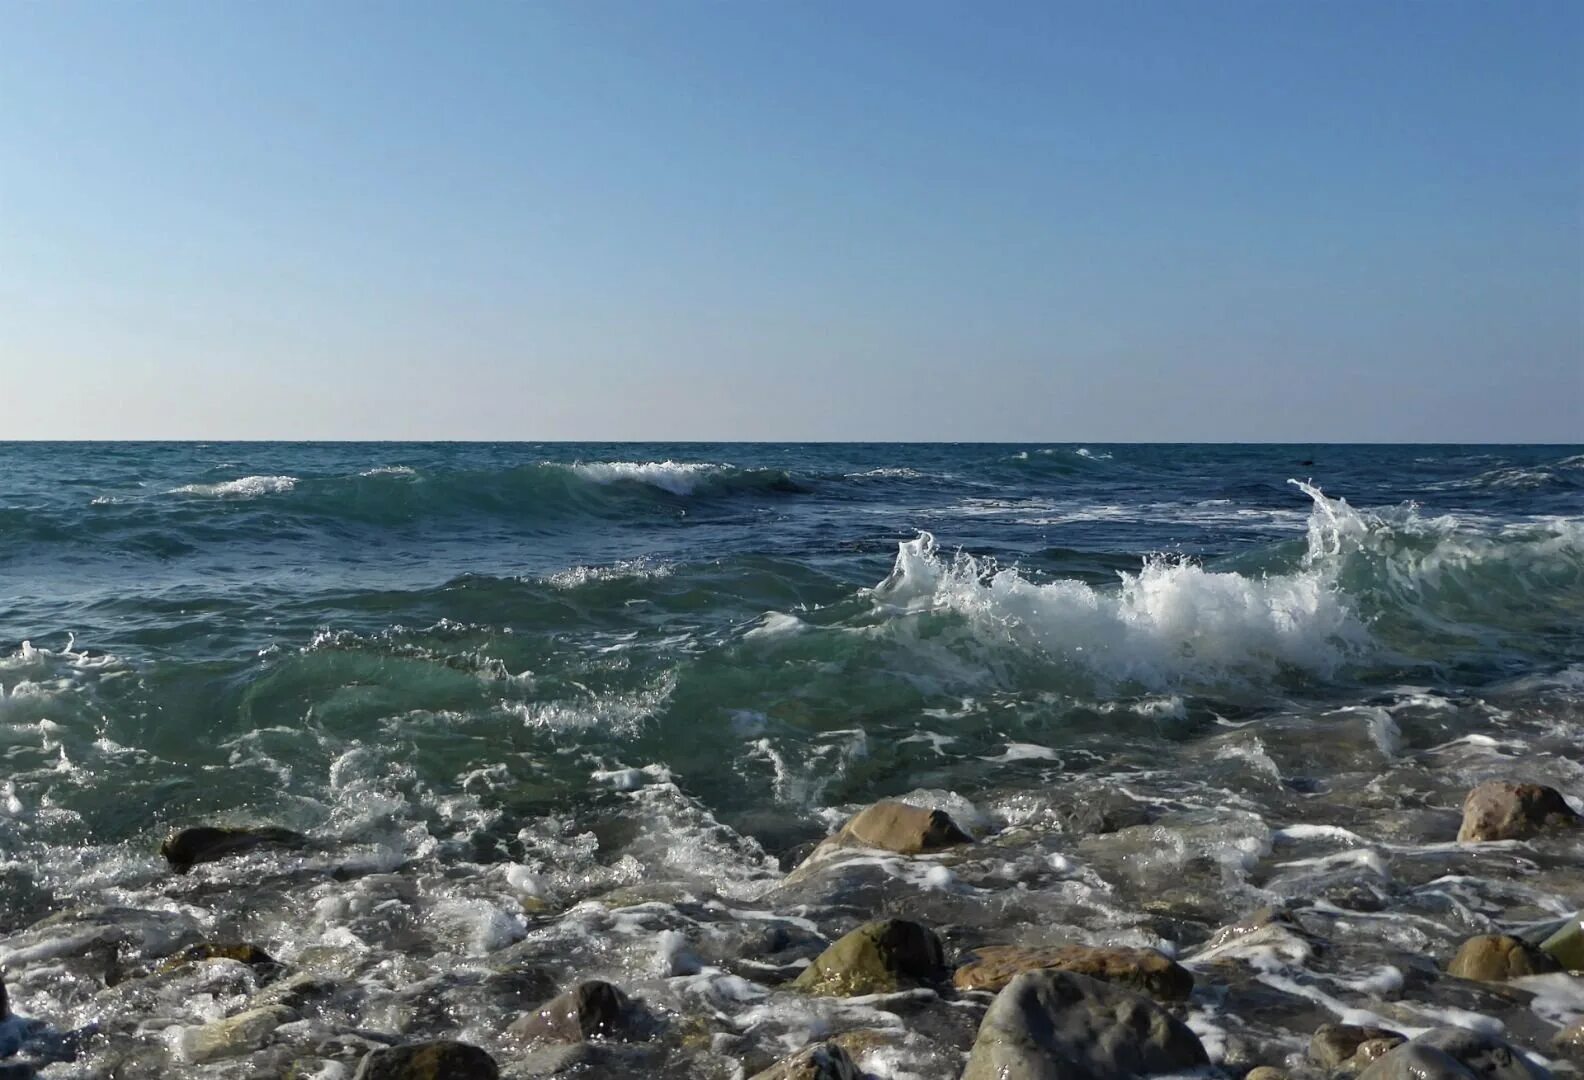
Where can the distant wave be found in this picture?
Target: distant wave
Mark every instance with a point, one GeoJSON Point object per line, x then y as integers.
{"type": "Point", "coordinates": [247, 487]}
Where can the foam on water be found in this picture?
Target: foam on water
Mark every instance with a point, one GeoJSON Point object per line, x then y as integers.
{"type": "Point", "coordinates": [246, 487]}
{"type": "Point", "coordinates": [677, 477]}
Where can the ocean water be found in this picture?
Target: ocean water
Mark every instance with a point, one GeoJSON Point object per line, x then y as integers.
{"type": "Point", "coordinates": [580, 707]}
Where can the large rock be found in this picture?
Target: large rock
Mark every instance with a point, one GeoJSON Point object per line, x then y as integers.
{"type": "Point", "coordinates": [889, 826]}
{"type": "Point", "coordinates": [239, 1034]}
{"type": "Point", "coordinates": [1566, 946]}
{"type": "Point", "coordinates": [208, 843]}
{"type": "Point", "coordinates": [1454, 1054]}
{"type": "Point", "coordinates": [1504, 810]}
{"type": "Point", "coordinates": [589, 1010]}
{"type": "Point", "coordinates": [1497, 958]}
{"type": "Point", "coordinates": [1348, 1046]}
{"type": "Point", "coordinates": [822, 1061]}
{"type": "Point", "coordinates": [877, 958]}
{"type": "Point", "coordinates": [428, 1061]}
{"type": "Point", "coordinates": [1146, 970]}
{"type": "Point", "coordinates": [1054, 1025]}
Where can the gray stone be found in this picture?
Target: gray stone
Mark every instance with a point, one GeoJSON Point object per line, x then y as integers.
{"type": "Point", "coordinates": [208, 843]}
{"type": "Point", "coordinates": [880, 957]}
{"type": "Point", "coordinates": [1054, 1025]}
{"type": "Point", "coordinates": [1337, 1046]}
{"type": "Point", "coordinates": [592, 1009]}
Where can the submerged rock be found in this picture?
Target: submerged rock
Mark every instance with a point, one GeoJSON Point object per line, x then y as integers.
{"type": "Point", "coordinates": [823, 1061]}
{"type": "Point", "coordinates": [1054, 1025]}
{"type": "Point", "coordinates": [244, 953]}
{"type": "Point", "coordinates": [1347, 1046]}
{"type": "Point", "coordinates": [428, 1061]}
{"type": "Point", "coordinates": [1566, 946]}
{"type": "Point", "coordinates": [208, 843]}
{"type": "Point", "coordinates": [590, 1010]}
{"type": "Point", "coordinates": [877, 958]}
{"type": "Point", "coordinates": [1454, 1054]}
{"type": "Point", "coordinates": [239, 1034]}
{"type": "Point", "coordinates": [1147, 970]}
{"type": "Point", "coordinates": [1569, 1043]}
{"type": "Point", "coordinates": [1505, 810]}
{"type": "Point", "coordinates": [1497, 958]}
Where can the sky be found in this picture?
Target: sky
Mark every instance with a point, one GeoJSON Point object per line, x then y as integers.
{"type": "Point", "coordinates": [793, 219]}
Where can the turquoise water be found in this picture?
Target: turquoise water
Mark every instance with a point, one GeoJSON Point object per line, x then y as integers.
{"type": "Point", "coordinates": [553, 670]}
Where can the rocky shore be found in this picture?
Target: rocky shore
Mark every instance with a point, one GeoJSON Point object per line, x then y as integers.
{"type": "Point", "coordinates": [844, 969]}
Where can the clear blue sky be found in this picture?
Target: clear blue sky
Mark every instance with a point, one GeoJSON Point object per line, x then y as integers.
{"type": "Point", "coordinates": [793, 219]}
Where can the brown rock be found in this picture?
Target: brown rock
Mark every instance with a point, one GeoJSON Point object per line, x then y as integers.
{"type": "Point", "coordinates": [1504, 810]}
{"type": "Point", "coordinates": [899, 827]}
{"type": "Point", "coordinates": [592, 1009]}
{"type": "Point", "coordinates": [1347, 1045]}
{"type": "Point", "coordinates": [1499, 957]}
{"type": "Point", "coordinates": [1264, 1072]}
{"type": "Point", "coordinates": [244, 953]}
{"type": "Point", "coordinates": [1569, 1042]}
{"type": "Point", "coordinates": [1148, 970]}
{"type": "Point", "coordinates": [428, 1061]}
{"type": "Point", "coordinates": [822, 1061]}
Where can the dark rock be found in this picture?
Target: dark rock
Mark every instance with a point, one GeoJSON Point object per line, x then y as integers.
{"type": "Point", "coordinates": [1499, 957]}
{"type": "Point", "coordinates": [1146, 970]}
{"type": "Point", "coordinates": [590, 1010]}
{"type": "Point", "coordinates": [1337, 1046]}
{"type": "Point", "coordinates": [428, 1061]}
{"type": "Point", "coordinates": [207, 843]}
{"type": "Point", "coordinates": [877, 958]}
{"type": "Point", "coordinates": [1454, 1054]}
{"type": "Point", "coordinates": [1504, 810]}
{"type": "Point", "coordinates": [1054, 1025]}
{"type": "Point", "coordinates": [823, 1061]}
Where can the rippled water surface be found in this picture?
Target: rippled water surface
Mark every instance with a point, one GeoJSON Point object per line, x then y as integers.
{"type": "Point", "coordinates": [574, 710]}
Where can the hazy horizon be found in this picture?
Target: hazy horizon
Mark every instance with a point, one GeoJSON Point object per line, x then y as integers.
{"type": "Point", "coordinates": [681, 222]}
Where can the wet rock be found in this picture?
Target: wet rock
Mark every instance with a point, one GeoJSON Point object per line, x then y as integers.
{"type": "Point", "coordinates": [1054, 1025]}
{"type": "Point", "coordinates": [890, 826]}
{"type": "Point", "coordinates": [1497, 958]}
{"type": "Point", "coordinates": [1454, 1054]}
{"type": "Point", "coordinates": [428, 1061]}
{"type": "Point", "coordinates": [1504, 810]}
{"type": "Point", "coordinates": [1347, 1046]}
{"type": "Point", "coordinates": [207, 843]}
{"type": "Point", "coordinates": [823, 1061]}
{"type": "Point", "coordinates": [1104, 811]}
{"type": "Point", "coordinates": [251, 955]}
{"type": "Point", "coordinates": [1569, 1043]}
{"type": "Point", "coordinates": [300, 990]}
{"type": "Point", "coordinates": [877, 958]}
{"type": "Point", "coordinates": [590, 1010]}
{"type": "Point", "coordinates": [1566, 946]}
{"type": "Point", "coordinates": [1266, 931]}
{"type": "Point", "coordinates": [1264, 1072]}
{"type": "Point", "coordinates": [239, 1034]}
{"type": "Point", "coordinates": [1146, 970]}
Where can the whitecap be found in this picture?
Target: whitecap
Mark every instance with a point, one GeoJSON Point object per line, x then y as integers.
{"type": "Point", "coordinates": [247, 487]}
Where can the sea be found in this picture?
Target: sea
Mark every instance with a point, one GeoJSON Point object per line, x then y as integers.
{"type": "Point", "coordinates": [559, 711]}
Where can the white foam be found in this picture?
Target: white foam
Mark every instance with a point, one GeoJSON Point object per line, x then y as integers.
{"type": "Point", "coordinates": [247, 487]}
{"type": "Point", "coordinates": [389, 470]}
{"type": "Point", "coordinates": [776, 624]}
{"type": "Point", "coordinates": [1170, 622]}
{"type": "Point", "coordinates": [676, 477]}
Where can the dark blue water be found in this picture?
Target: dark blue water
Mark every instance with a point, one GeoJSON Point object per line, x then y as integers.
{"type": "Point", "coordinates": [555, 669]}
